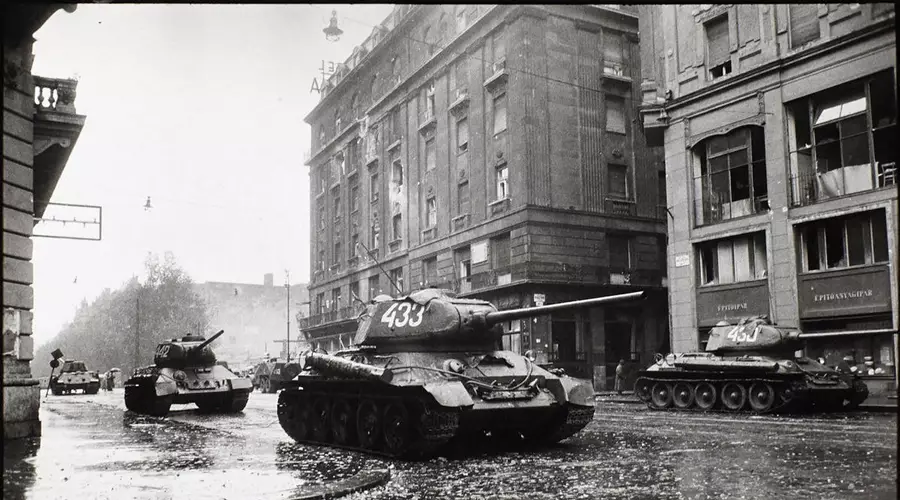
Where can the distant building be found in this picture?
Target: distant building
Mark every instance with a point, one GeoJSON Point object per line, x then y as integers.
{"type": "Point", "coordinates": [493, 150]}
{"type": "Point", "coordinates": [40, 130]}
{"type": "Point", "coordinates": [779, 123]}
{"type": "Point", "coordinates": [254, 317]}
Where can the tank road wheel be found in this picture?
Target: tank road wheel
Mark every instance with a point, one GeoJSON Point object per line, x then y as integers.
{"type": "Point", "coordinates": [57, 391]}
{"type": "Point", "coordinates": [397, 429]}
{"type": "Point", "coordinates": [368, 424]}
{"type": "Point", "coordinates": [734, 396]}
{"type": "Point", "coordinates": [343, 425]}
{"type": "Point", "coordinates": [762, 396]}
{"type": "Point", "coordinates": [662, 395]}
{"type": "Point", "coordinates": [859, 394]}
{"type": "Point", "coordinates": [294, 415]}
{"type": "Point", "coordinates": [705, 396]}
{"type": "Point", "coordinates": [320, 420]}
{"type": "Point", "coordinates": [643, 389]}
{"type": "Point", "coordinates": [683, 395]}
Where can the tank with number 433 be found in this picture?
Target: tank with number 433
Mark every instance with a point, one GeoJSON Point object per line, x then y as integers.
{"type": "Point", "coordinates": [748, 367]}
{"type": "Point", "coordinates": [426, 369]}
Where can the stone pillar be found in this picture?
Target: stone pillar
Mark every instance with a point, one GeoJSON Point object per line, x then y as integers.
{"type": "Point", "coordinates": [21, 394]}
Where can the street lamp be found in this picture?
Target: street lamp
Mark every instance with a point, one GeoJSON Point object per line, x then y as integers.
{"type": "Point", "coordinates": [332, 32]}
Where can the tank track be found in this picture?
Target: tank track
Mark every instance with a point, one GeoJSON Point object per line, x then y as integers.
{"type": "Point", "coordinates": [788, 395]}
{"type": "Point", "coordinates": [393, 425]}
{"type": "Point", "coordinates": [564, 426]}
{"type": "Point", "coordinates": [140, 397]}
{"type": "Point", "coordinates": [230, 402]}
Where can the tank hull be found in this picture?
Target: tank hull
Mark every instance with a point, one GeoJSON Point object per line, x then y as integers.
{"type": "Point", "coordinates": [753, 384]}
{"type": "Point", "coordinates": [152, 390]}
{"type": "Point", "coordinates": [70, 382]}
{"type": "Point", "coordinates": [423, 408]}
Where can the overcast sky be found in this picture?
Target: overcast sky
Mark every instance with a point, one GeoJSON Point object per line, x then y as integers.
{"type": "Point", "coordinates": [199, 107]}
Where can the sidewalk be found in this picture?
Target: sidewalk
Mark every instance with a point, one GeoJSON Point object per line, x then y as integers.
{"type": "Point", "coordinates": [875, 404]}
{"type": "Point", "coordinates": [92, 451]}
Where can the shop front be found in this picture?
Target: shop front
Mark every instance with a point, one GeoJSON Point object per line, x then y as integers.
{"type": "Point", "coordinates": [730, 303]}
{"type": "Point", "coordinates": [846, 315]}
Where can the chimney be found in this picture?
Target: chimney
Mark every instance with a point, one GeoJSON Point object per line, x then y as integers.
{"type": "Point", "coordinates": [269, 279]}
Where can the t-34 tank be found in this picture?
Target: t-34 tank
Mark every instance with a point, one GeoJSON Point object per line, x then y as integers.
{"type": "Point", "coordinates": [748, 367]}
{"type": "Point", "coordinates": [185, 371]}
{"type": "Point", "coordinates": [426, 368]}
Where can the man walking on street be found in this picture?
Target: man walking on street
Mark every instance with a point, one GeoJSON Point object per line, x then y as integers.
{"type": "Point", "coordinates": [620, 376]}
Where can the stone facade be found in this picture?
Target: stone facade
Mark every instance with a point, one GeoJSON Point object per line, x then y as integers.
{"type": "Point", "coordinates": [492, 150]}
{"type": "Point", "coordinates": [757, 81]}
{"type": "Point", "coordinates": [35, 148]}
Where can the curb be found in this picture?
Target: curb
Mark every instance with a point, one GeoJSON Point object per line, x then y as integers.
{"type": "Point", "coordinates": [878, 408]}
{"type": "Point", "coordinates": [360, 482]}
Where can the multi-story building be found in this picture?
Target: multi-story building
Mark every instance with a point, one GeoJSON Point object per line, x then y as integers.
{"type": "Point", "coordinates": [494, 151]}
{"type": "Point", "coordinates": [257, 318]}
{"type": "Point", "coordinates": [779, 124]}
{"type": "Point", "coordinates": [40, 129]}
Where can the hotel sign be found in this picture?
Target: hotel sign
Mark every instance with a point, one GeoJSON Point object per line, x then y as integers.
{"type": "Point", "coordinates": [732, 302]}
{"type": "Point", "coordinates": [845, 292]}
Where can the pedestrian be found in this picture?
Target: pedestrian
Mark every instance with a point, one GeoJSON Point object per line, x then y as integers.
{"type": "Point", "coordinates": [620, 376]}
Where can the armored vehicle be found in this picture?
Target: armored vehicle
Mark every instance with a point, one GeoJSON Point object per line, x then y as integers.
{"type": "Point", "coordinates": [185, 371]}
{"type": "Point", "coordinates": [269, 376]}
{"type": "Point", "coordinates": [426, 368]}
{"type": "Point", "coordinates": [74, 376]}
{"type": "Point", "coordinates": [749, 367]}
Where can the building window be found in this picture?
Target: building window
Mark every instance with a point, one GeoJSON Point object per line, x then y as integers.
{"type": "Point", "coordinates": [354, 198]}
{"type": "Point", "coordinates": [428, 38]}
{"type": "Point", "coordinates": [321, 261]}
{"type": "Point", "coordinates": [397, 277]}
{"type": "Point", "coordinates": [340, 167]}
{"type": "Point", "coordinates": [613, 60]}
{"type": "Point", "coordinates": [512, 336]}
{"type": "Point", "coordinates": [321, 135]}
{"type": "Point", "coordinates": [618, 182]}
{"type": "Point", "coordinates": [354, 292]}
{"type": "Point", "coordinates": [397, 227]}
{"type": "Point", "coordinates": [615, 114]}
{"type": "Point", "coordinates": [500, 252]}
{"type": "Point", "coordinates": [804, 23]}
{"type": "Point", "coordinates": [460, 14]}
{"type": "Point", "coordinates": [430, 157]}
{"type": "Point", "coordinates": [336, 258]}
{"type": "Point", "coordinates": [855, 240]}
{"type": "Point", "coordinates": [335, 299]}
{"type": "Point", "coordinates": [463, 262]}
{"type": "Point", "coordinates": [429, 271]}
{"type": "Point", "coordinates": [397, 173]}
{"type": "Point", "coordinates": [619, 248]}
{"type": "Point", "coordinates": [502, 182]}
{"type": "Point", "coordinates": [321, 305]}
{"type": "Point", "coordinates": [499, 46]}
{"type": "Point", "coordinates": [354, 106]}
{"type": "Point", "coordinates": [718, 47]}
{"type": "Point", "coordinates": [323, 178]}
{"type": "Point", "coordinates": [732, 180]}
{"type": "Point", "coordinates": [374, 288]}
{"type": "Point", "coordinates": [835, 135]}
{"type": "Point", "coordinates": [337, 121]}
{"type": "Point", "coordinates": [354, 245]}
{"type": "Point", "coordinates": [462, 73]}
{"type": "Point", "coordinates": [321, 210]}
{"type": "Point", "coordinates": [462, 135]}
{"type": "Point", "coordinates": [336, 199]}
{"type": "Point", "coordinates": [733, 260]}
{"type": "Point", "coordinates": [374, 187]}
{"type": "Point", "coordinates": [376, 237]}
{"type": "Point", "coordinates": [430, 212]}
{"type": "Point", "coordinates": [463, 205]}
{"type": "Point", "coordinates": [500, 114]}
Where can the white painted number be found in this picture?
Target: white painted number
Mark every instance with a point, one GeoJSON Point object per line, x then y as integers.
{"type": "Point", "coordinates": [163, 350]}
{"type": "Point", "coordinates": [740, 335]}
{"type": "Point", "coordinates": [406, 310]}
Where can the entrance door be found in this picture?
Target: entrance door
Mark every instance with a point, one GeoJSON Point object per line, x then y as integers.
{"type": "Point", "coordinates": [618, 346]}
{"type": "Point", "coordinates": [564, 340]}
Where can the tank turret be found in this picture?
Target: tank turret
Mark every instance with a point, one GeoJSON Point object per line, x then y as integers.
{"type": "Point", "coordinates": [426, 369]}
{"type": "Point", "coordinates": [185, 371]}
{"type": "Point", "coordinates": [754, 335]}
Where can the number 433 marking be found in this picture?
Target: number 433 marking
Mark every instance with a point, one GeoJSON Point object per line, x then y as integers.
{"type": "Point", "coordinates": [403, 314]}
{"type": "Point", "coordinates": [743, 336]}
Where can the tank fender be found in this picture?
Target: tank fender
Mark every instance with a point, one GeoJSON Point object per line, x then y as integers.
{"type": "Point", "coordinates": [240, 383]}
{"type": "Point", "coordinates": [165, 386]}
{"type": "Point", "coordinates": [572, 390]}
{"type": "Point", "coordinates": [451, 393]}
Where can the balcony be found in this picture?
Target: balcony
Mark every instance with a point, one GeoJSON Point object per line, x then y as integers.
{"type": "Point", "coordinates": [499, 76]}
{"type": "Point", "coordinates": [715, 210]}
{"type": "Point", "coordinates": [809, 188]}
{"type": "Point", "coordinates": [343, 314]}
{"type": "Point", "coordinates": [56, 130]}
{"type": "Point", "coordinates": [427, 121]}
{"type": "Point", "coordinates": [460, 101]}
{"type": "Point", "coordinates": [620, 206]}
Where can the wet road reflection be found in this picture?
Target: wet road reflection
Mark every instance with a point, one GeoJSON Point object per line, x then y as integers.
{"type": "Point", "coordinates": [627, 452]}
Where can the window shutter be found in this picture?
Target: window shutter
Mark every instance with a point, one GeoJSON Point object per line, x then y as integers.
{"type": "Point", "coordinates": [615, 115]}
{"type": "Point", "coordinates": [718, 48]}
{"type": "Point", "coordinates": [804, 22]}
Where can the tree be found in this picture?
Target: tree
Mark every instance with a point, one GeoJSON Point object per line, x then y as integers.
{"type": "Point", "coordinates": [137, 316]}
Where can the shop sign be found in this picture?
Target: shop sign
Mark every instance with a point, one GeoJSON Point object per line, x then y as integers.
{"type": "Point", "coordinates": [539, 299]}
{"type": "Point", "coordinates": [732, 302]}
{"type": "Point", "coordinates": [845, 292]}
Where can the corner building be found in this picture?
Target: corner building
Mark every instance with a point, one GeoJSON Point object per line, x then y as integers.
{"type": "Point", "coordinates": [779, 123]}
{"type": "Point", "coordinates": [494, 151]}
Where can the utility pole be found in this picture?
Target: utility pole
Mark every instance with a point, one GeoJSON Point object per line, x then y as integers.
{"type": "Point", "coordinates": [287, 286]}
{"type": "Point", "coordinates": [137, 330]}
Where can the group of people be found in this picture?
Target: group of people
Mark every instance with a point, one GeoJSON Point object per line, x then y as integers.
{"type": "Point", "coordinates": [108, 380]}
{"type": "Point", "coordinates": [849, 365]}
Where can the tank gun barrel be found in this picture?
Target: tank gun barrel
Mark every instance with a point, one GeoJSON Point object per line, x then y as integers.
{"type": "Point", "coordinates": [208, 341]}
{"type": "Point", "coordinates": [492, 318]}
{"type": "Point", "coordinates": [338, 366]}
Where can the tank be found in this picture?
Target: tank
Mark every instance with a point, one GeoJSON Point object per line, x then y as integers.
{"type": "Point", "coordinates": [426, 369]}
{"type": "Point", "coordinates": [186, 371]}
{"type": "Point", "coordinates": [748, 367]}
{"type": "Point", "coordinates": [74, 376]}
